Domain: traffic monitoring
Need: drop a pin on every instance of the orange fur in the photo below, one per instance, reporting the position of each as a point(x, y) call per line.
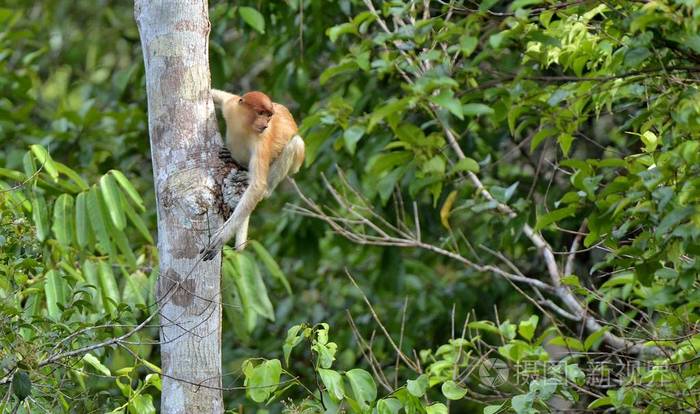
point(264, 136)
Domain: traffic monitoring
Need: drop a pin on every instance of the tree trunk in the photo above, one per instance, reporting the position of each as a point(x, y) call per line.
point(184, 146)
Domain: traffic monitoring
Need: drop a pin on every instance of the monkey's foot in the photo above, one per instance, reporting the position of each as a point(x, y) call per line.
point(233, 187)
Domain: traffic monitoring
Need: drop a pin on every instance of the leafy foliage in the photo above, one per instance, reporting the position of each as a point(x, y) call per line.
point(462, 125)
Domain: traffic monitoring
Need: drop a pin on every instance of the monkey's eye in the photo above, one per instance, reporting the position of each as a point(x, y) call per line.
point(261, 113)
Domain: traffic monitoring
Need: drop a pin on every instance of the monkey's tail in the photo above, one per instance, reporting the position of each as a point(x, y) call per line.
point(221, 97)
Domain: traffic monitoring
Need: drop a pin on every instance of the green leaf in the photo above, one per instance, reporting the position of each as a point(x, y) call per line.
point(650, 140)
point(90, 272)
point(295, 335)
point(336, 31)
point(352, 136)
point(571, 280)
point(82, 221)
point(128, 188)
point(522, 404)
point(331, 71)
point(333, 382)
point(476, 109)
point(507, 329)
point(492, 409)
point(251, 285)
point(70, 173)
point(45, 161)
point(600, 402)
point(526, 329)
point(363, 386)
point(154, 368)
point(108, 285)
point(465, 164)
point(517, 4)
point(21, 385)
point(447, 101)
point(141, 404)
point(567, 342)
point(496, 39)
point(574, 374)
point(253, 18)
point(239, 312)
point(624, 278)
point(435, 165)
point(322, 333)
point(504, 194)
point(391, 108)
point(40, 216)
point(594, 339)
point(135, 289)
point(558, 96)
point(97, 221)
point(389, 406)
point(262, 380)
point(468, 44)
point(62, 226)
point(540, 136)
point(136, 220)
point(95, 363)
point(15, 175)
point(270, 264)
point(54, 289)
point(437, 408)
point(326, 353)
point(110, 195)
point(486, 326)
point(554, 216)
point(452, 391)
point(544, 388)
point(674, 217)
point(123, 244)
point(565, 141)
point(418, 386)
point(635, 56)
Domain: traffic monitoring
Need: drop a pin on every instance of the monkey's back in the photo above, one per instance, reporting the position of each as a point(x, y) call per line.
point(283, 128)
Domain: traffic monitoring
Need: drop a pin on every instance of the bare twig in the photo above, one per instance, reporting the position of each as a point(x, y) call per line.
point(403, 356)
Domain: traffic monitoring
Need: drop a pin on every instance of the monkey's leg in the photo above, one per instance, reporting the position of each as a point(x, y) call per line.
point(287, 163)
point(250, 199)
point(242, 235)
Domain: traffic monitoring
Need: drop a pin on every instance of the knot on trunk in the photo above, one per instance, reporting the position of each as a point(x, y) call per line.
point(232, 180)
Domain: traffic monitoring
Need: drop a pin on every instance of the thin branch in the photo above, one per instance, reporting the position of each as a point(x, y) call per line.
point(569, 266)
point(404, 358)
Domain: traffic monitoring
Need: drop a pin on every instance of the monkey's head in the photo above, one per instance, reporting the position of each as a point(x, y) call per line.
point(259, 109)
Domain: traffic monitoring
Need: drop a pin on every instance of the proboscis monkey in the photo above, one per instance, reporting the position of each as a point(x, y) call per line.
point(262, 135)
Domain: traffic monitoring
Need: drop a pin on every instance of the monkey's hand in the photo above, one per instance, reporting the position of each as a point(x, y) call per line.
point(215, 245)
point(225, 156)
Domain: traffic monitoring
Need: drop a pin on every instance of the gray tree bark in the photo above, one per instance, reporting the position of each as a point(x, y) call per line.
point(184, 145)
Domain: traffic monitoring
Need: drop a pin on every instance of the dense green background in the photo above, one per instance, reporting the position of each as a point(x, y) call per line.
point(581, 116)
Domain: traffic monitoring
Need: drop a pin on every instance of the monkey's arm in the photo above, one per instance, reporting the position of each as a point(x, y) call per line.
point(220, 97)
